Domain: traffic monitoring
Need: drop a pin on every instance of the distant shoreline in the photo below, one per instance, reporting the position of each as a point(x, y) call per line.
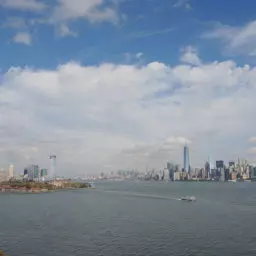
point(15, 191)
point(40, 187)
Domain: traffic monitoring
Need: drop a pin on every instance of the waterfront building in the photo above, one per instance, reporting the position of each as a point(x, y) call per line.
point(207, 170)
point(220, 170)
point(11, 171)
point(32, 172)
point(186, 159)
point(197, 172)
point(166, 174)
point(233, 175)
point(43, 172)
point(227, 175)
point(3, 175)
point(253, 173)
point(176, 176)
point(171, 169)
point(52, 171)
point(222, 174)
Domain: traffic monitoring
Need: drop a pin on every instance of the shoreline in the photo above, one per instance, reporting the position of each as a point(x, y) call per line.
point(39, 187)
point(16, 191)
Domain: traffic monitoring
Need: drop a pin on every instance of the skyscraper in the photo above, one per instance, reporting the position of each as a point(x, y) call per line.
point(11, 171)
point(171, 169)
point(52, 173)
point(186, 159)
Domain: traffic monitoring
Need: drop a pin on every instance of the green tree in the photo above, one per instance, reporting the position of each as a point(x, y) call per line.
point(28, 186)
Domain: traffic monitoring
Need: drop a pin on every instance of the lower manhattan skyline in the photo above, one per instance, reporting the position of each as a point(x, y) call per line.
point(109, 93)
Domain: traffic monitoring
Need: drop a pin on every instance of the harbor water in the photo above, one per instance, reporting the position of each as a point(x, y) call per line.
point(132, 218)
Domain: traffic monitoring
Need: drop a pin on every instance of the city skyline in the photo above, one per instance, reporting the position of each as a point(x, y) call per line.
point(184, 166)
point(125, 84)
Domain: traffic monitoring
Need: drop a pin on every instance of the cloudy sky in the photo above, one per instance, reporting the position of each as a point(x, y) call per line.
point(110, 84)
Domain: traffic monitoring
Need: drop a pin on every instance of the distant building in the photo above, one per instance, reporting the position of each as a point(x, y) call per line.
point(207, 170)
point(166, 174)
point(52, 171)
point(186, 159)
point(11, 171)
point(253, 173)
point(232, 164)
point(176, 176)
point(220, 170)
point(219, 164)
point(32, 172)
point(43, 172)
point(227, 174)
point(171, 169)
point(3, 175)
point(233, 175)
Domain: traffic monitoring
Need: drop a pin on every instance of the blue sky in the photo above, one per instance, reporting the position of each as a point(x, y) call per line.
point(158, 28)
point(108, 84)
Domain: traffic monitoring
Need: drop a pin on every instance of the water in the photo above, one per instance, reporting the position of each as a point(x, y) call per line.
point(124, 218)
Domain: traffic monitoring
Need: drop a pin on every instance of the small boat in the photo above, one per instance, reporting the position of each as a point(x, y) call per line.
point(188, 198)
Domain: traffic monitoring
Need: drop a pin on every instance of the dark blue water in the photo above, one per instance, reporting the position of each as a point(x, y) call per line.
point(122, 218)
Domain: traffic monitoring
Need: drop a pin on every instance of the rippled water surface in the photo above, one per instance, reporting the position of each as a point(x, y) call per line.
point(125, 218)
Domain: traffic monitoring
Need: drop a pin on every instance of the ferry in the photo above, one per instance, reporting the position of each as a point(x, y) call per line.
point(188, 198)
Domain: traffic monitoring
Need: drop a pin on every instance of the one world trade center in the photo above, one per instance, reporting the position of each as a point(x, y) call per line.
point(186, 159)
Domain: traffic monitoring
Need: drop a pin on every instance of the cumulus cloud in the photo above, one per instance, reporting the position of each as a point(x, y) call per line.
point(139, 55)
point(190, 56)
point(177, 140)
point(60, 13)
point(26, 5)
point(182, 3)
point(126, 116)
point(92, 10)
point(252, 139)
point(65, 31)
point(22, 38)
point(240, 40)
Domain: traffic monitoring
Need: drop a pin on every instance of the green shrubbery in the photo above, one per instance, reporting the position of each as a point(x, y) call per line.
point(44, 185)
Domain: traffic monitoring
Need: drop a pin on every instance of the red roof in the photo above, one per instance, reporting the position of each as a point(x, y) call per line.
point(6, 187)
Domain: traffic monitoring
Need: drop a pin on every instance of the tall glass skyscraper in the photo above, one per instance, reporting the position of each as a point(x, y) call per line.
point(52, 173)
point(186, 159)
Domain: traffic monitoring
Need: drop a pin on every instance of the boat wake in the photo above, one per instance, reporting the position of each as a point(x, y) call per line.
point(129, 194)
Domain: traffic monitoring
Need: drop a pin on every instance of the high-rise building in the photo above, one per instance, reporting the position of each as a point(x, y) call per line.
point(52, 173)
point(171, 169)
point(253, 172)
point(32, 172)
point(220, 170)
point(3, 175)
point(186, 159)
point(11, 171)
point(207, 170)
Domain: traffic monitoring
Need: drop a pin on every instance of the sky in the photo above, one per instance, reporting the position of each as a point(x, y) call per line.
point(125, 84)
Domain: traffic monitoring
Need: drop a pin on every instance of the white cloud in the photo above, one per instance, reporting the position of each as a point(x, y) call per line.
point(139, 55)
point(240, 40)
point(126, 116)
point(177, 140)
point(190, 56)
point(92, 10)
point(65, 31)
point(22, 38)
point(30, 5)
point(61, 13)
point(182, 3)
point(252, 151)
point(252, 139)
